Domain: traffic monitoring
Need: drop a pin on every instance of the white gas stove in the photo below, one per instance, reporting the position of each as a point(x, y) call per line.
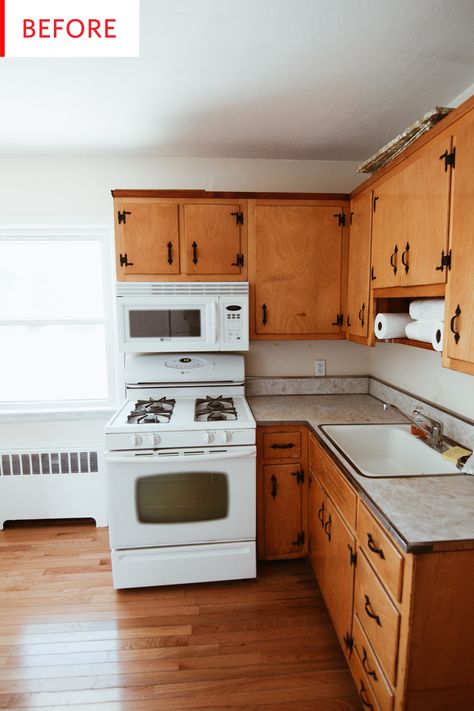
point(181, 472)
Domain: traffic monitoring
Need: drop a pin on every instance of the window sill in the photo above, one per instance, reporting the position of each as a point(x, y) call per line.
point(14, 416)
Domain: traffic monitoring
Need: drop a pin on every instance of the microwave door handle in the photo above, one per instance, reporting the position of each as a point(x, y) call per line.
point(216, 311)
point(233, 453)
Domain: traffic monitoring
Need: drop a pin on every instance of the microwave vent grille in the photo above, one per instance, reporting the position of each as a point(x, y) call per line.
point(183, 288)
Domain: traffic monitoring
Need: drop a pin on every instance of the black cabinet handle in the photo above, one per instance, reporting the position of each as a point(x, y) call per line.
point(321, 514)
point(275, 445)
point(361, 314)
point(170, 252)
point(370, 612)
point(372, 274)
point(274, 490)
point(373, 547)
point(327, 527)
point(457, 335)
point(366, 703)
point(264, 314)
point(393, 258)
point(348, 321)
point(405, 258)
point(365, 664)
point(195, 247)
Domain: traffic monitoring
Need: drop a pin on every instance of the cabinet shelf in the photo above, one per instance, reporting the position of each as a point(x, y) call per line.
point(407, 342)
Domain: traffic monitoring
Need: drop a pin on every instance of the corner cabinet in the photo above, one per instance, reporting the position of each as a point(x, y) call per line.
point(282, 492)
point(296, 252)
point(359, 273)
point(179, 238)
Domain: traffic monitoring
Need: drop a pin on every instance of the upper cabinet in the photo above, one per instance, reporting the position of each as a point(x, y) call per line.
point(296, 260)
point(179, 238)
point(358, 281)
point(459, 322)
point(410, 219)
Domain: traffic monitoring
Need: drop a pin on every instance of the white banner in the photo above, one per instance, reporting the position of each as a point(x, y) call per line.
point(72, 28)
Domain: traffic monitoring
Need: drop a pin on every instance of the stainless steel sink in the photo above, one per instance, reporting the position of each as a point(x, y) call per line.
point(387, 451)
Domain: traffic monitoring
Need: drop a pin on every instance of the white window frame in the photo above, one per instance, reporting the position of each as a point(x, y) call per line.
point(102, 233)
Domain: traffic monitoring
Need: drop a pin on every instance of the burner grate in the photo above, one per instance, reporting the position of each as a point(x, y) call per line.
point(215, 409)
point(151, 410)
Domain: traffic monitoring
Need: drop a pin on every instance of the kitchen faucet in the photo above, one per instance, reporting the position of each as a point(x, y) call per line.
point(432, 428)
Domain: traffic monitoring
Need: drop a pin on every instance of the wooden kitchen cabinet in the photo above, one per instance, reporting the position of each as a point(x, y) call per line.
point(282, 492)
point(332, 548)
point(359, 271)
point(296, 251)
point(170, 236)
point(459, 323)
point(410, 220)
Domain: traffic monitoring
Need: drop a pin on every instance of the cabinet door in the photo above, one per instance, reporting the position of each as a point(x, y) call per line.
point(340, 565)
point(411, 219)
point(317, 538)
point(213, 240)
point(149, 241)
point(459, 325)
point(283, 514)
point(298, 269)
point(359, 266)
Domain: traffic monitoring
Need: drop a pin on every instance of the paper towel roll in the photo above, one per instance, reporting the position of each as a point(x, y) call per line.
point(391, 325)
point(427, 309)
point(426, 331)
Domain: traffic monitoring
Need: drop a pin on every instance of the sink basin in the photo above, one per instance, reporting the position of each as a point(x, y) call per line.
point(387, 451)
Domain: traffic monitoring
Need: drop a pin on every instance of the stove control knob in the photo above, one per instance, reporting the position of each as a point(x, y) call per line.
point(155, 440)
point(208, 437)
point(136, 440)
point(225, 436)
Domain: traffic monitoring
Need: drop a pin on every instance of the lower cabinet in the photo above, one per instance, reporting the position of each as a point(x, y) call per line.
point(282, 492)
point(405, 621)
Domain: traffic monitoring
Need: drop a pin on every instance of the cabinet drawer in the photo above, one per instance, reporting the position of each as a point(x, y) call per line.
point(379, 549)
point(378, 615)
point(371, 666)
point(282, 445)
point(333, 482)
point(363, 687)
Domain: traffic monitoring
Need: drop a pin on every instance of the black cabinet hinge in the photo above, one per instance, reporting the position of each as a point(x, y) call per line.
point(339, 320)
point(299, 539)
point(445, 261)
point(122, 216)
point(239, 261)
point(341, 218)
point(124, 261)
point(239, 217)
point(352, 556)
point(449, 159)
point(299, 476)
point(374, 203)
point(348, 641)
point(351, 215)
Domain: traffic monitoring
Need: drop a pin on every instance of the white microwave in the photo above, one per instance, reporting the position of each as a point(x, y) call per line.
point(172, 317)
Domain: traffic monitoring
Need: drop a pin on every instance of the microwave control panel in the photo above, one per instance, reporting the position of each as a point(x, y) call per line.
point(234, 324)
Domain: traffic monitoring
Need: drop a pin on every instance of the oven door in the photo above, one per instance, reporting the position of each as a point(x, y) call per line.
point(185, 497)
point(150, 324)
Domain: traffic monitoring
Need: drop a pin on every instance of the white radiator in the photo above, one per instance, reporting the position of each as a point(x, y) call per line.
point(64, 482)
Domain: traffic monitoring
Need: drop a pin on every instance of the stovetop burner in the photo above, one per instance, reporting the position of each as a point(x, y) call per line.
point(213, 409)
point(147, 411)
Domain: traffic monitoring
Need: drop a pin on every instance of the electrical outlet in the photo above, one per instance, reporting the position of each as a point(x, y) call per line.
point(320, 367)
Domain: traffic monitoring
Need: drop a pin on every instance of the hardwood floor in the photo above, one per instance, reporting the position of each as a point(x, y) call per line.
point(69, 641)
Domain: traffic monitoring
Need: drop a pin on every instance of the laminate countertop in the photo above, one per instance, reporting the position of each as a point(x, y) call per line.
point(423, 513)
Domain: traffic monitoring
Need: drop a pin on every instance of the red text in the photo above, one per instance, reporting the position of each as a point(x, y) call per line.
point(48, 28)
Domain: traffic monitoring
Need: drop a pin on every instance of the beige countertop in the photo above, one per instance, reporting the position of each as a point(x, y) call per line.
point(421, 512)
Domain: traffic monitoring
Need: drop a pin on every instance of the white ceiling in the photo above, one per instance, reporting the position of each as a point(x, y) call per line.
point(302, 79)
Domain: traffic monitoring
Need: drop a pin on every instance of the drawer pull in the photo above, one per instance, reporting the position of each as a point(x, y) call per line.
point(290, 445)
point(366, 703)
point(373, 547)
point(369, 671)
point(327, 527)
point(370, 613)
point(321, 514)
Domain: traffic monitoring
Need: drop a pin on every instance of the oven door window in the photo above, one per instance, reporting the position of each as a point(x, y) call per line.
point(165, 323)
point(182, 498)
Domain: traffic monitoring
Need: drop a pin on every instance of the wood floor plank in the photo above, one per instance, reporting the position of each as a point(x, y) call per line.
point(70, 642)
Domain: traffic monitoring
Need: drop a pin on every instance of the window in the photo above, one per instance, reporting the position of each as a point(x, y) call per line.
point(56, 340)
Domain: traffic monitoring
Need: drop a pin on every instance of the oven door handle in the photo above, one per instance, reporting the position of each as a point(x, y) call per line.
point(230, 453)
